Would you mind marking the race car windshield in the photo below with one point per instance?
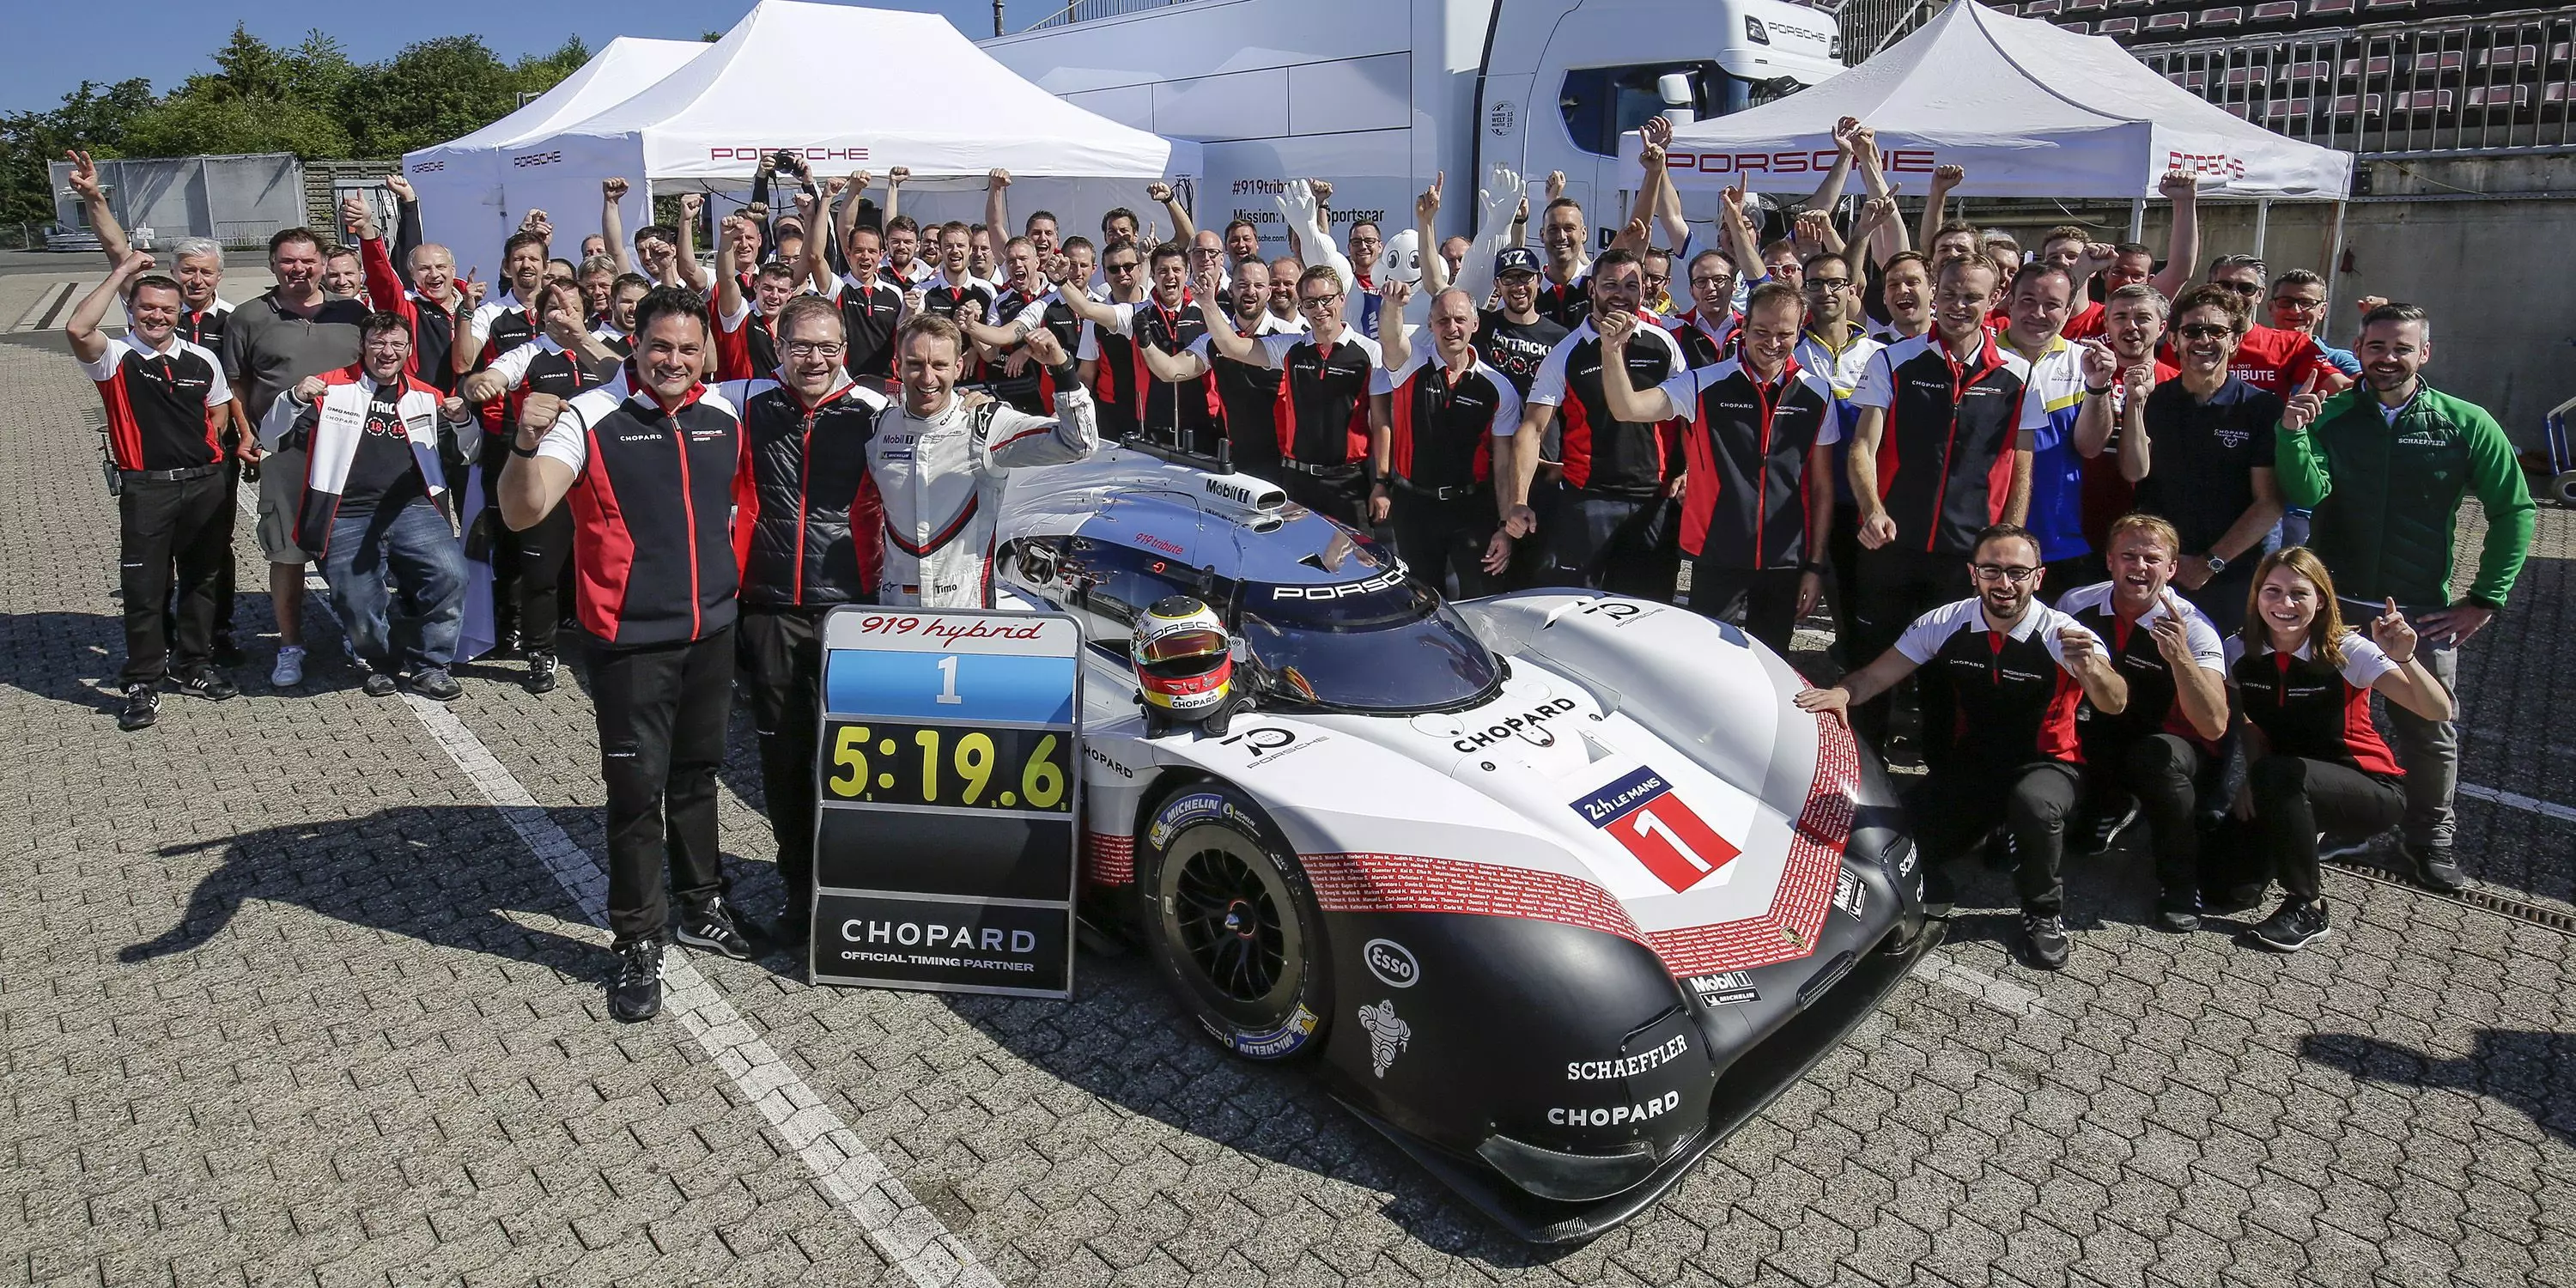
(1388, 644)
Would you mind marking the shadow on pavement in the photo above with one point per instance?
(2526, 1069)
(419, 871)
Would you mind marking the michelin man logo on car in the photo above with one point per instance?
(1388, 1036)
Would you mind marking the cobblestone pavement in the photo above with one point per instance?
(288, 1001)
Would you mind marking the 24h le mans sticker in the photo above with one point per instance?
(1642, 813)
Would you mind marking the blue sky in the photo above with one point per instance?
(54, 46)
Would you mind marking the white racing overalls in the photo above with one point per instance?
(941, 483)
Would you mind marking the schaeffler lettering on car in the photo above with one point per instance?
(1615, 1115)
(1641, 812)
(1524, 726)
(1628, 1066)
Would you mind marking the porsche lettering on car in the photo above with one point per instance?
(1554, 888)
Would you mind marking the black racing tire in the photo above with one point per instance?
(1233, 924)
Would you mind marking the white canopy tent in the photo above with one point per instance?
(848, 89)
(2030, 109)
(471, 195)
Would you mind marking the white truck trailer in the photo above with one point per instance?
(1379, 96)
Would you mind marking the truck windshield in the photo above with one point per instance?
(1602, 103)
(1388, 644)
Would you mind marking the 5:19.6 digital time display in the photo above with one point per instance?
(887, 763)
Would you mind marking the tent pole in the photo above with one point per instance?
(2137, 218)
(2262, 224)
(2334, 260)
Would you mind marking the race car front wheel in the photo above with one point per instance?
(1233, 923)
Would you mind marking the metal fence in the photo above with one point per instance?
(166, 199)
(2489, 82)
(1087, 10)
(1869, 26)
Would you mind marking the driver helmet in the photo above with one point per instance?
(1184, 658)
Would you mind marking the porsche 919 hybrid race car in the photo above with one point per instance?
(1557, 887)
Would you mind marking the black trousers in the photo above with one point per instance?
(1616, 542)
(2163, 771)
(1764, 601)
(2296, 798)
(174, 539)
(1965, 798)
(1897, 586)
(781, 650)
(543, 562)
(1532, 566)
(1842, 552)
(662, 711)
(1341, 492)
(1444, 541)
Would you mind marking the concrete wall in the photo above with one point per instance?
(2496, 265)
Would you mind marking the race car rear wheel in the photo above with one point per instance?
(1233, 924)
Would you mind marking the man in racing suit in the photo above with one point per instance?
(939, 463)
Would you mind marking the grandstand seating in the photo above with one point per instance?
(2370, 75)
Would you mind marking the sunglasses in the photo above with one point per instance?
(2204, 331)
(1317, 302)
(2244, 288)
(1128, 267)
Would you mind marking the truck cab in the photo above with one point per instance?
(1379, 97)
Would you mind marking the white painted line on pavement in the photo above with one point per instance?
(909, 1235)
(2001, 994)
(2515, 800)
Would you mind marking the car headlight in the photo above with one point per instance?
(1755, 31)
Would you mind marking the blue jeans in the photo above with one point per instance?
(418, 550)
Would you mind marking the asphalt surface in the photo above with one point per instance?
(306, 988)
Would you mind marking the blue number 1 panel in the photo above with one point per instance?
(984, 687)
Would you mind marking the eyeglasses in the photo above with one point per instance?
(2203, 331)
(815, 349)
(1659, 280)
(1828, 283)
(2014, 573)
(1713, 283)
(2294, 302)
(2244, 288)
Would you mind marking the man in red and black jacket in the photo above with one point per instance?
(654, 467)
(2022, 671)
(813, 543)
(526, 570)
(1940, 451)
(1435, 451)
(1326, 374)
(1618, 472)
(1180, 408)
(434, 306)
(167, 405)
(1759, 444)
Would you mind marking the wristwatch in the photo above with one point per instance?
(2217, 563)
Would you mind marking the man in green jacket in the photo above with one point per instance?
(2385, 466)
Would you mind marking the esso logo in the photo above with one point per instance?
(1391, 962)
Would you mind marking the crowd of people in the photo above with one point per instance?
(2105, 525)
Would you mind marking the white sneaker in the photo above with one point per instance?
(290, 666)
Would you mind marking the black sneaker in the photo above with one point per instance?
(212, 685)
(792, 932)
(2178, 916)
(2106, 828)
(378, 685)
(636, 994)
(2045, 934)
(541, 673)
(2436, 868)
(437, 686)
(2003, 852)
(2294, 925)
(712, 929)
(142, 708)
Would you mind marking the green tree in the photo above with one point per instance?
(94, 117)
(429, 93)
(187, 124)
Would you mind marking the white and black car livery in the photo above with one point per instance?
(1559, 887)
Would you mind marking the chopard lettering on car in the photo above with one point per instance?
(1391, 962)
(1627, 1066)
(1523, 726)
(1101, 758)
(1380, 582)
(1615, 1115)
